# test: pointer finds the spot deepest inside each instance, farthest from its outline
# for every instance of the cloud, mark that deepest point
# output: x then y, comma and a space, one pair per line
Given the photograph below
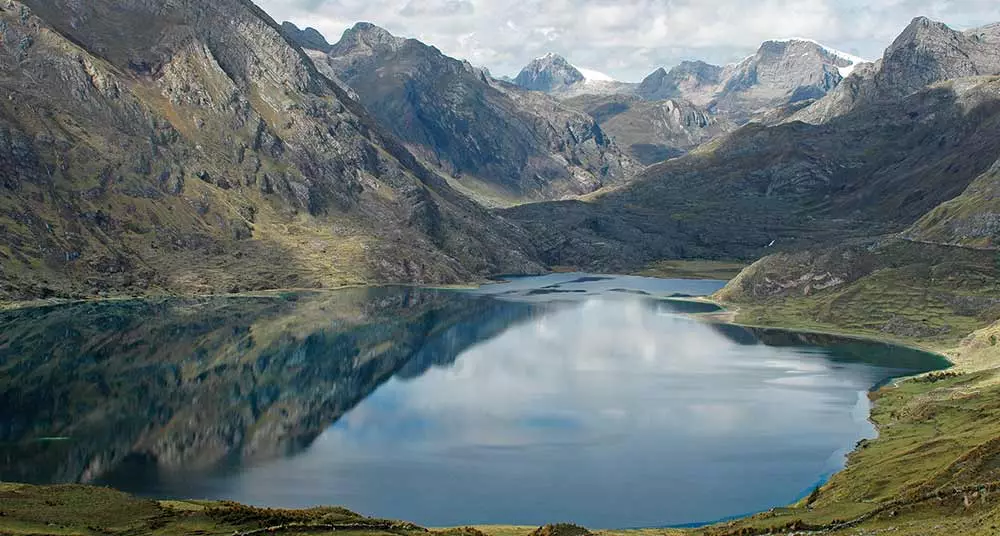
437, 8
629, 38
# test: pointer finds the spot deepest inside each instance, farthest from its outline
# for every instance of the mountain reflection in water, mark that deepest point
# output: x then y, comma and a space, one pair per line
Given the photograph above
439, 407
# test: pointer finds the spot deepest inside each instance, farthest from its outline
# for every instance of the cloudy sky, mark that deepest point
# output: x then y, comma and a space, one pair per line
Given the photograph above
629, 38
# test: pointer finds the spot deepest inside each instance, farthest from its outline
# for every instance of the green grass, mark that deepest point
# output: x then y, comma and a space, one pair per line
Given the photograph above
693, 269
86, 510
937, 445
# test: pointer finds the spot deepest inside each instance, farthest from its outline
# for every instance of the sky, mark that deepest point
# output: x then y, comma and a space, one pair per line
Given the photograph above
628, 39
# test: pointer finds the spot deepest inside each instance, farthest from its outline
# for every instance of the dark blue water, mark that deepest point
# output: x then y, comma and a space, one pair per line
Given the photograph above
565, 398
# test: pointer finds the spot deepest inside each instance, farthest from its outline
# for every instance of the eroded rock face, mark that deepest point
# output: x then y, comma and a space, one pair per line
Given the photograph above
140, 149
485, 133
693, 80
308, 39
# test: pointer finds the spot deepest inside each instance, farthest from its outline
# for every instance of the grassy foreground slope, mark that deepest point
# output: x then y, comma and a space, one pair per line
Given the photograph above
935, 468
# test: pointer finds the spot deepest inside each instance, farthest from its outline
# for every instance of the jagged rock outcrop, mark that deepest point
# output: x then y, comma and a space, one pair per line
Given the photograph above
500, 143
925, 53
201, 151
653, 131
695, 81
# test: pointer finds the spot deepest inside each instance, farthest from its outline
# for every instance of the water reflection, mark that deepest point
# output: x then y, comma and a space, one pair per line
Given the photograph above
446, 408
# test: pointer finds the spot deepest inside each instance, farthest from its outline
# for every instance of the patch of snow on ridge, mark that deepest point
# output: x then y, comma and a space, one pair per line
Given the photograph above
594, 76
844, 71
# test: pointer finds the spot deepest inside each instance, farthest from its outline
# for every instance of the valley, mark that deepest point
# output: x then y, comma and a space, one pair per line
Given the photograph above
251, 215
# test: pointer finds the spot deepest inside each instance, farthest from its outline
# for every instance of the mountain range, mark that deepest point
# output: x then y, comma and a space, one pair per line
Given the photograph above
500, 144
671, 112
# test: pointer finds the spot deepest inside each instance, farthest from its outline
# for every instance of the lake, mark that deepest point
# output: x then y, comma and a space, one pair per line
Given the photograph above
603, 401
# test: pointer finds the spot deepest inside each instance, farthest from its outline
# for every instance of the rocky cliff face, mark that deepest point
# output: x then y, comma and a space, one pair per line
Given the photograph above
500, 143
202, 151
781, 72
925, 53
653, 131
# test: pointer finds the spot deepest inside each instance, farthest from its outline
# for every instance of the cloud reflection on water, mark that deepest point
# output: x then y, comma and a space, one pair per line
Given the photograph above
604, 411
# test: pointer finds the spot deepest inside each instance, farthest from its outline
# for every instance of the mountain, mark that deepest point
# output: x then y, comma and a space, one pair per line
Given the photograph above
501, 144
652, 131
190, 147
925, 53
870, 172
308, 39
551, 73
695, 81
782, 72
554, 75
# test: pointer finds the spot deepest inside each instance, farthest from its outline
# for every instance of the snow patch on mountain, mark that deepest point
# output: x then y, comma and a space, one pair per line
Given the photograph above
594, 76
846, 56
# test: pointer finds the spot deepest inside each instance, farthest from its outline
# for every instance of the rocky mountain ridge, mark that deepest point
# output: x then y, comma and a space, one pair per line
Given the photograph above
780, 79
926, 52
875, 170
781, 72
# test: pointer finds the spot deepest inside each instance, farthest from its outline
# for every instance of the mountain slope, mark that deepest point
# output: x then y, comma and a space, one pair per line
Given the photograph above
969, 220
873, 171
205, 153
652, 131
492, 137
551, 73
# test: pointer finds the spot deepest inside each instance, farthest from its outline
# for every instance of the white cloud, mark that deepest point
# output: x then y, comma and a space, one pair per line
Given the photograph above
629, 38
